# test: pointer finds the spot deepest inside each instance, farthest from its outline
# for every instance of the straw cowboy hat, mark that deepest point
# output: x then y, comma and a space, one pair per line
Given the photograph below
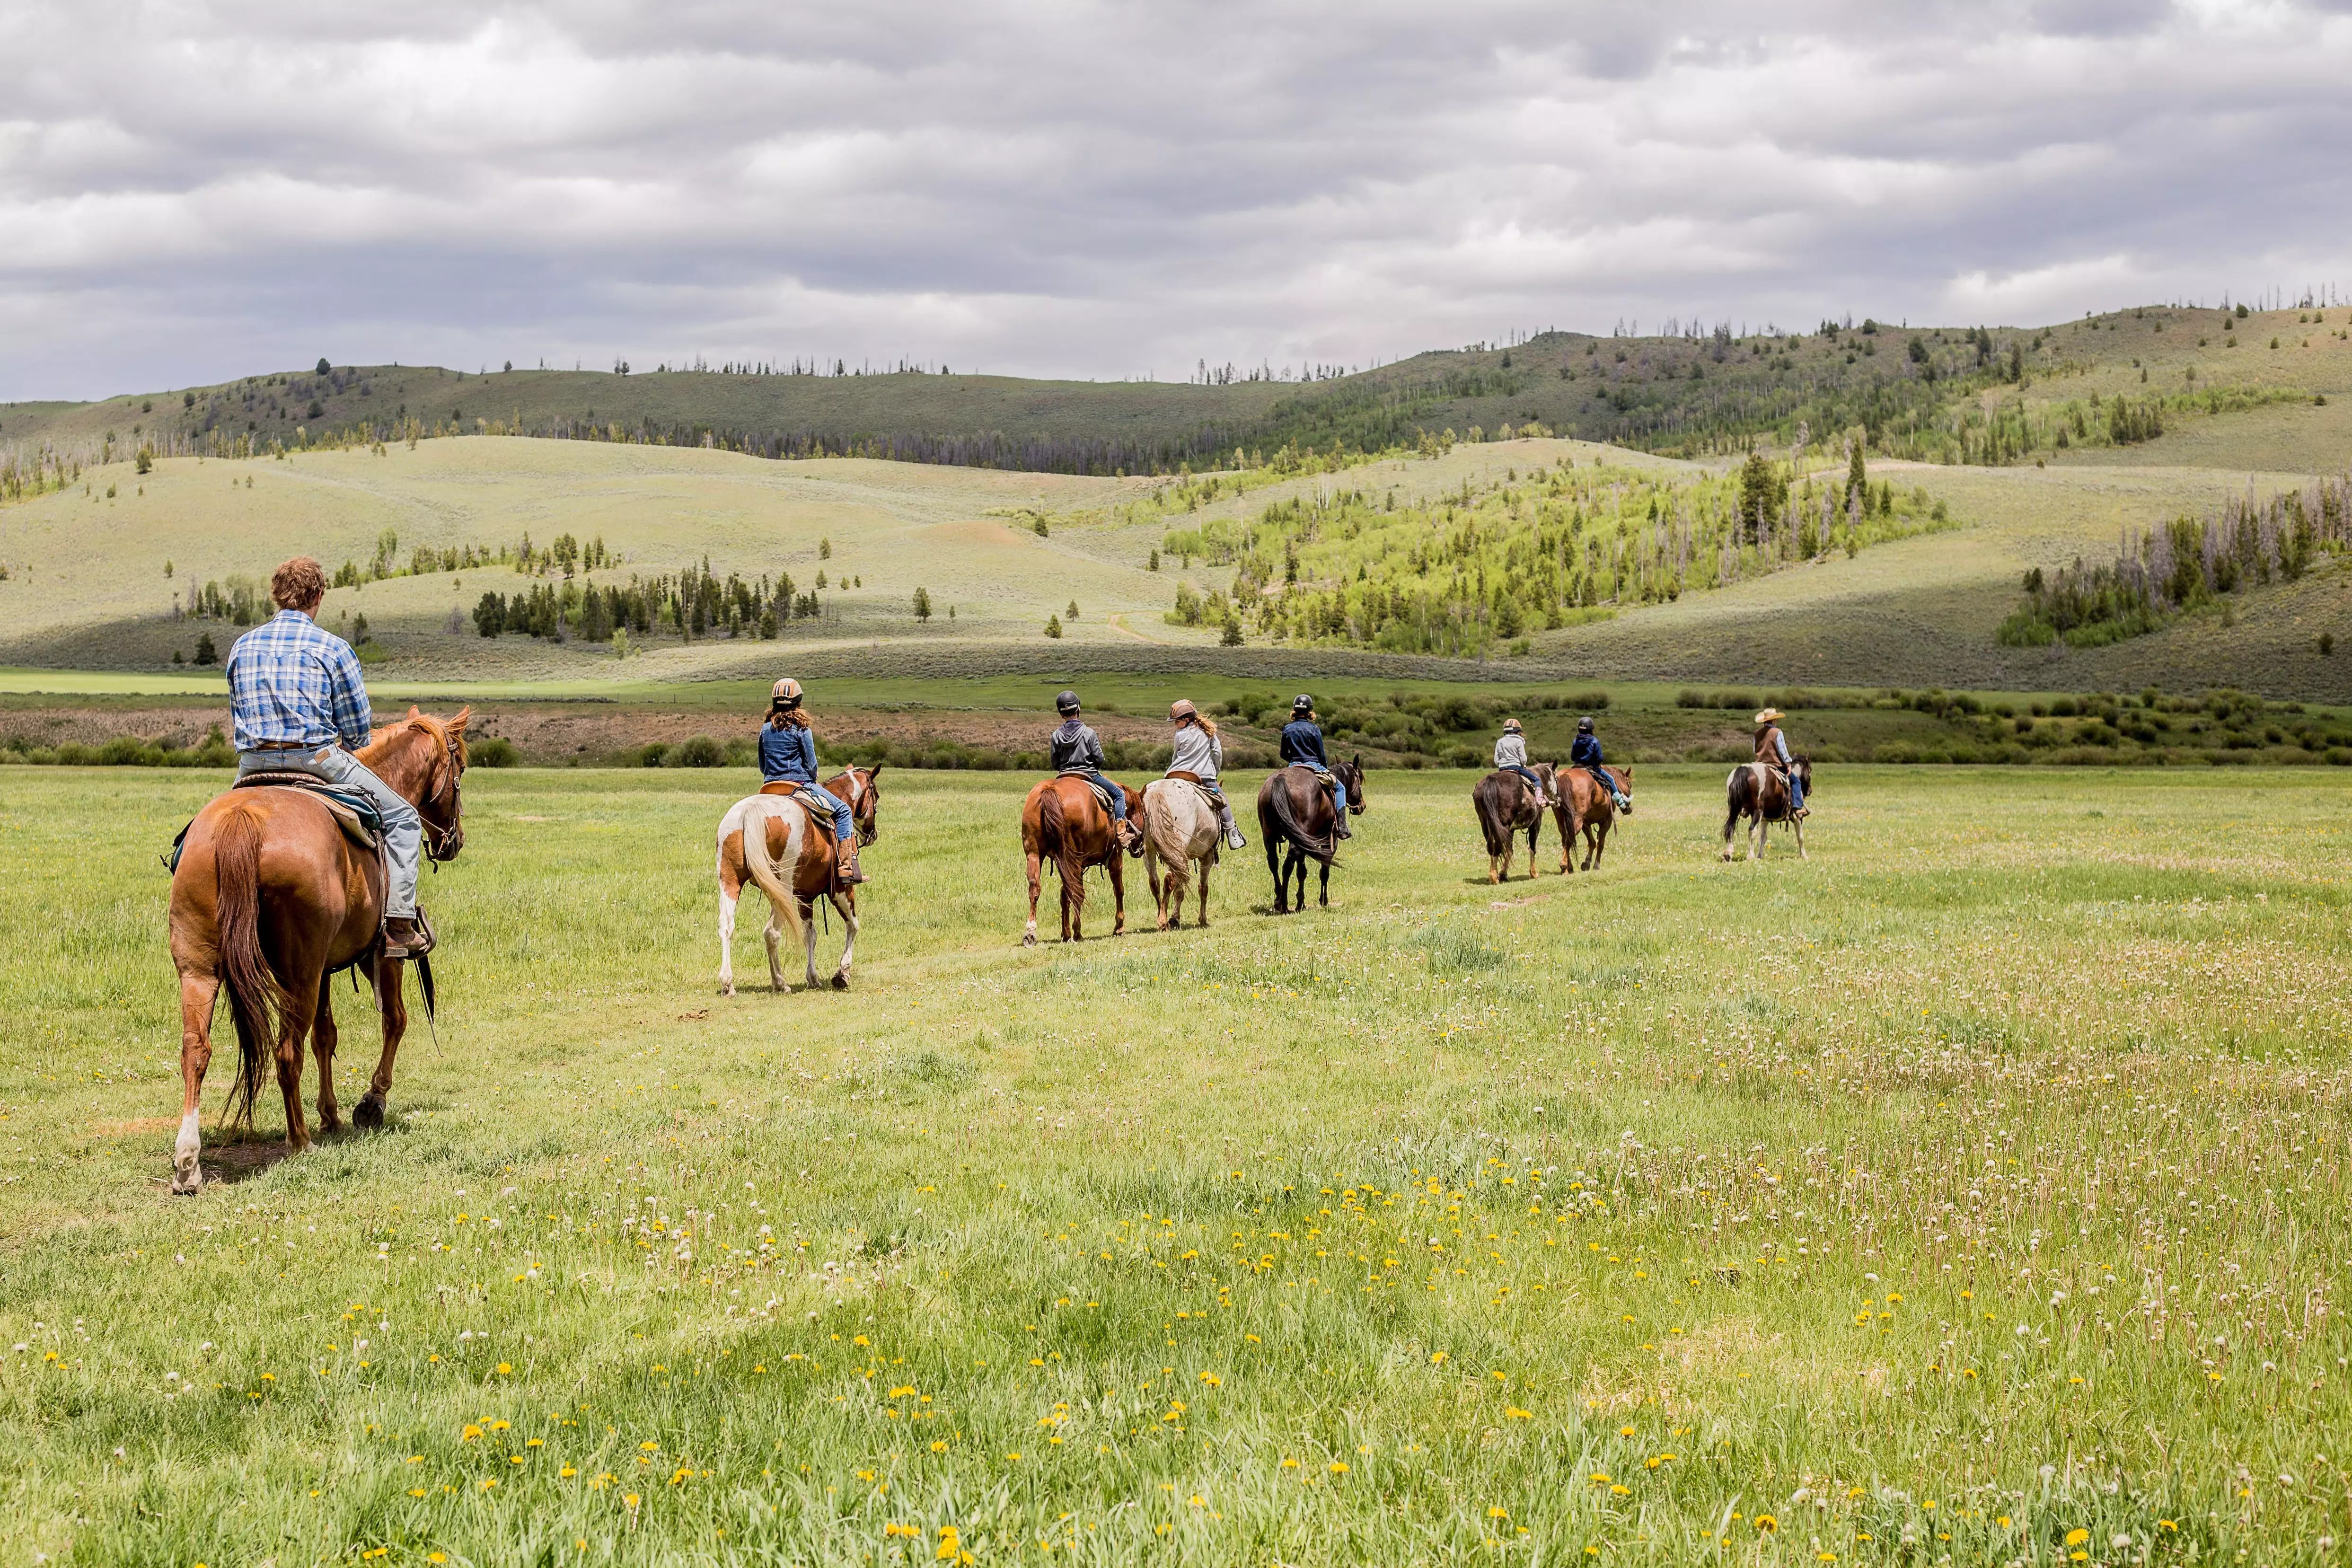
1770, 716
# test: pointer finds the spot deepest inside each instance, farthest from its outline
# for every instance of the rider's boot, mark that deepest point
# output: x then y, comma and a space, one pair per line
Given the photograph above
1233, 839
845, 863
406, 937
1131, 836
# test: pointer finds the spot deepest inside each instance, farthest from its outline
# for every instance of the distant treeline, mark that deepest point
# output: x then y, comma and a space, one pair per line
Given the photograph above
2187, 562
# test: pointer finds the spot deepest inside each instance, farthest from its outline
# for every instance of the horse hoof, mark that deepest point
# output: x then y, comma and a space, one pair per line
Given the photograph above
727, 989
1029, 939
188, 1184
841, 982
368, 1113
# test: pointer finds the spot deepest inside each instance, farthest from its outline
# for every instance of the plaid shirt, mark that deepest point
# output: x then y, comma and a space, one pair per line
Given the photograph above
290, 680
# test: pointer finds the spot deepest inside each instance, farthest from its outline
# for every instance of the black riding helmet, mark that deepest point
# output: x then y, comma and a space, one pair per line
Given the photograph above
1302, 703
1068, 702
1584, 725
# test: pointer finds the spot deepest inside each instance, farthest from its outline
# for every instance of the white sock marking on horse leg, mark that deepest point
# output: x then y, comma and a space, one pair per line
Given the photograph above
726, 945
186, 1150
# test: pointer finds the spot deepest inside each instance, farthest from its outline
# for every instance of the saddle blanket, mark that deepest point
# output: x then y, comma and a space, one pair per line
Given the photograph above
822, 822
1208, 792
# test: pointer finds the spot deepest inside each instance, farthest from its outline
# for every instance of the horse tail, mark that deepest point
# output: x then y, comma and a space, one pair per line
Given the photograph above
1731, 803
763, 867
1055, 837
1286, 818
256, 1000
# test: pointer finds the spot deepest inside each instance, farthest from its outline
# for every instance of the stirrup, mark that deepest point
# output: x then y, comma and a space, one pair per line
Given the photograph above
418, 946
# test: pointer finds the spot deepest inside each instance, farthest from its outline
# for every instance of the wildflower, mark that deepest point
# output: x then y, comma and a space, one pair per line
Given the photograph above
504, 1368
2076, 1537
1767, 1523
1337, 1469
1498, 1513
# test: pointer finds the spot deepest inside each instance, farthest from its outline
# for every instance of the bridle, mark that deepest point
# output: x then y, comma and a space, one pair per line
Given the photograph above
863, 799
443, 843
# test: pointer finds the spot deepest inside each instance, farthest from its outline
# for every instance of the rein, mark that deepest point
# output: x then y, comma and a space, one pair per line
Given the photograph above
438, 839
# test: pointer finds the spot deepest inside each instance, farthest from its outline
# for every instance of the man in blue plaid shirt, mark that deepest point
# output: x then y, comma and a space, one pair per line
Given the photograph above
297, 705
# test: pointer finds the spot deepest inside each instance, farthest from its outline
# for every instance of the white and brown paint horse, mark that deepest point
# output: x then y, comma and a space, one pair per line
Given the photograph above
773, 842
1760, 794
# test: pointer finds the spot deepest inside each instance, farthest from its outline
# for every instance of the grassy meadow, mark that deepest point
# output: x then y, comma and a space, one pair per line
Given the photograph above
1974, 1190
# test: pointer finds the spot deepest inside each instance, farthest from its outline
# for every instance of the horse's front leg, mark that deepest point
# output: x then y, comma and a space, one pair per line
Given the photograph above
1797, 826
1118, 896
1204, 870
1324, 896
323, 1037
198, 994
393, 1004
1535, 836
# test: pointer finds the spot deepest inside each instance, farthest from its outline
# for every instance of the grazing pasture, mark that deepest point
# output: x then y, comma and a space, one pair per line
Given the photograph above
1977, 1189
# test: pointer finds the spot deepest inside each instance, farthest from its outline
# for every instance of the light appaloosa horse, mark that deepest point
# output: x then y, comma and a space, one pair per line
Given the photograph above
269, 897
1063, 822
1505, 805
1585, 807
1760, 794
1181, 826
766, 838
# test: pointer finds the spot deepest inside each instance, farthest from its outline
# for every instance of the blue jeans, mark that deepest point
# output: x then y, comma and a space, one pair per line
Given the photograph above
1796, 791
842, 826
1528, 773
403, 830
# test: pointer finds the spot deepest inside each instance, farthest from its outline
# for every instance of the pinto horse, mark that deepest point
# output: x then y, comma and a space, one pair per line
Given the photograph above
1062, 821
776, 843
1294, 814
270, 899
1585, 807
1505, 805
1760, 794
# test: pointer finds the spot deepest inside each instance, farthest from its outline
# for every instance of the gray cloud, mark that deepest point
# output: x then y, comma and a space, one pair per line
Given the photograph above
196, 190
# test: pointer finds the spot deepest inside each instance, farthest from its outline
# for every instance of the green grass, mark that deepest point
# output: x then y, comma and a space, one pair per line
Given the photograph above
1994, 1158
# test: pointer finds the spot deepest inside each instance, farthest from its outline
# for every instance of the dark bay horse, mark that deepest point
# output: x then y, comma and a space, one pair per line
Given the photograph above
1505, 805
270, 898
1585, 807
1296, 817
1760, 794
776, 842
1062, 821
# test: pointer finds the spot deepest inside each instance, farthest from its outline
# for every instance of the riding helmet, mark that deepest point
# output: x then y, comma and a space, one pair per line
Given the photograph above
1512, 727
1181, 710
786, 692
1302, 703
1068, 702
1584, 725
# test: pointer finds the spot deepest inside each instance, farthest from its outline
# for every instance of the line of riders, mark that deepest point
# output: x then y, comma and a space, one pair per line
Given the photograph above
299, 705
307, 867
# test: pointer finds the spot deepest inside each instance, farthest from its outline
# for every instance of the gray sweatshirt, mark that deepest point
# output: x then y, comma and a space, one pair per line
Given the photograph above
1511, 752
1197, 753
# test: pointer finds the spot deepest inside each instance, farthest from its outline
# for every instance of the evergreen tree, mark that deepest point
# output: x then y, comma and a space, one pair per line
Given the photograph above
1855, 478
1053, 625
922, 605
205, 652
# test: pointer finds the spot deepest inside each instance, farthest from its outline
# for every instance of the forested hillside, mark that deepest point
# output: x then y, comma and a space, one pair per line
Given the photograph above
1977, 395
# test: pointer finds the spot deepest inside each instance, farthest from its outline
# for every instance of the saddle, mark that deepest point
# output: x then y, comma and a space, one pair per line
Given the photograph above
1208, 792
1088, 777
354, 813
820, 821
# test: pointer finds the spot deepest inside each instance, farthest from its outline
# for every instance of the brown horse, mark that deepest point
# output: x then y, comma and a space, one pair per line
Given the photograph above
762, 835
1760, 794
1294, 814
270, 899
1585, 807
1505, 805
1064, 821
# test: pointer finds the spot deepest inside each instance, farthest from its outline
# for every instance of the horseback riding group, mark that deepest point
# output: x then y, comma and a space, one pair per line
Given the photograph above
307, 867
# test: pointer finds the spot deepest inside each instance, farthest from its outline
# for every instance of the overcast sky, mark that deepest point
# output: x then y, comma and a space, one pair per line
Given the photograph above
195, 189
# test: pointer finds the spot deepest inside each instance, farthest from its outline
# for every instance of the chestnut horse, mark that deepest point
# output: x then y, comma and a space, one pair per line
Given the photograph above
1585, 807
270, 899
1505, 805
1294, 812
764, 834
1062, 821
1759, 793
